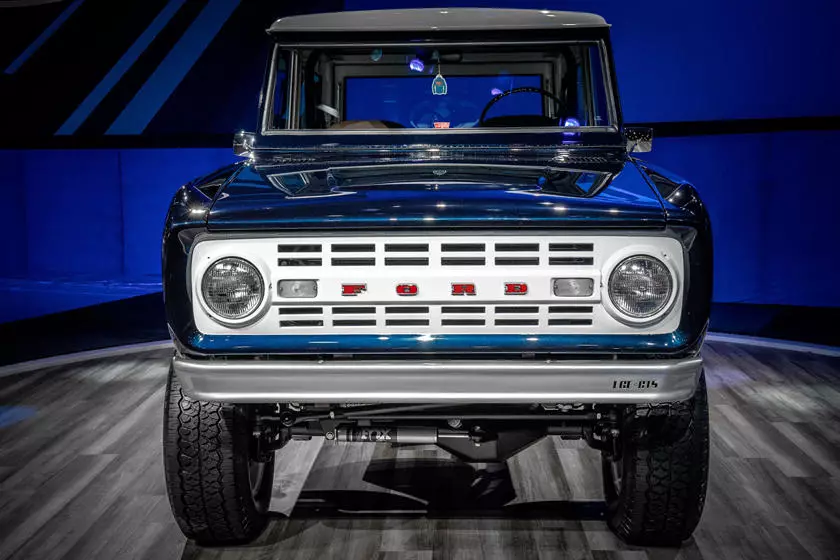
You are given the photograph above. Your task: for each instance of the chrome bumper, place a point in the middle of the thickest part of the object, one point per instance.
(439, 381)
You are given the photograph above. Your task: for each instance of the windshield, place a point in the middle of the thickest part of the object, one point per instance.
(456, 87)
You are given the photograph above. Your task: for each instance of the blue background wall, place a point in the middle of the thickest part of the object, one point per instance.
(715, 59)
(93, 217)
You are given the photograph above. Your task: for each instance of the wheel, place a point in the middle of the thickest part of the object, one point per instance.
(218, 491)
(655, 479)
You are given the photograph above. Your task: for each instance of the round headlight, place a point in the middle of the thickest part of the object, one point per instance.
(232, 288)
(640, 286)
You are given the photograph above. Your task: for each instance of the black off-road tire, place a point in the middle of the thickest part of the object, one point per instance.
(219, 494)
(656, 490)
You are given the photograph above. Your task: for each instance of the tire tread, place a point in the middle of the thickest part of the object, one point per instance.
(206, 467)
(665, 472)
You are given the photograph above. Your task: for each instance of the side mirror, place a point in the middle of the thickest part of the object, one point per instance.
(639, 139)
(243, 143)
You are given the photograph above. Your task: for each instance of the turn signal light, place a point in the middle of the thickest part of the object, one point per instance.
(573, 287)
(297, 288)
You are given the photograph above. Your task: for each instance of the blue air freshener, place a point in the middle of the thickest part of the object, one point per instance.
(439, 86)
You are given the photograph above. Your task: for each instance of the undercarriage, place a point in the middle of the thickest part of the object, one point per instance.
(473, 433)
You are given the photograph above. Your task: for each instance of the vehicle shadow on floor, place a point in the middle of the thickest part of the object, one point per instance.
(437, 489)
(411, 489)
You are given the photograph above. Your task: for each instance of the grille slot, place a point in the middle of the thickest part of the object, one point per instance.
(353, 248)
(407, 322)
(354, 322)
(517, 261)
(302, 323)
(518, 309)
(353, 310)
(570, 309)
(300, 310)
(462, 261)
(298, 262)
(462, 248)
(462, 322)
(349, 261)
(406, 248)
(406, 309)
(556, 247)
(517, 322)
(406, 261)
(298, 248)
(517, 247)
(569, 261)
(461, 309)
(569, 322)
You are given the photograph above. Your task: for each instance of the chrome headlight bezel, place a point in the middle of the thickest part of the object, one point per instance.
(253, 314)
(622, 314)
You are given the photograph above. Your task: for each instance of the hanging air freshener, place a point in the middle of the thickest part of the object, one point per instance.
(439, 86)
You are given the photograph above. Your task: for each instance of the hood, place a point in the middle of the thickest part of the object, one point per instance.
(436, 195)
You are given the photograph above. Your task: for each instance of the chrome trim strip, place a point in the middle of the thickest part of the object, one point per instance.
(430, 43)
(293, 120)
(607, 71)
(488, 232)
(268, 93)
(438, 381)
(467, 300)
(438, 131)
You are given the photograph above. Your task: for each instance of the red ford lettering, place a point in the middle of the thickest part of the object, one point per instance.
(407, 289)
(516, 288)
(463, 289)
(353, 289)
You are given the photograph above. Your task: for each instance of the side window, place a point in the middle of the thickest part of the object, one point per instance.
(596, 113)
(591, 93)
(279, 107)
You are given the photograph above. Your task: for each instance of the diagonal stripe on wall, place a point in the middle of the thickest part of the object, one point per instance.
(43, 37)
(122, 66)
(160, 85)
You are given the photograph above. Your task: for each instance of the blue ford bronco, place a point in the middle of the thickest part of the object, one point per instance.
(439, 235)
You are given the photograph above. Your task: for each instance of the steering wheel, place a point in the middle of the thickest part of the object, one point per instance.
(527, 89)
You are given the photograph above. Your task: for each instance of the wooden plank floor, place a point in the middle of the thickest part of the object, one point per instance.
(81, 477)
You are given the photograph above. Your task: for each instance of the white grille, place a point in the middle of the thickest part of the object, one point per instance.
(443, 253)
(434, 263)
(351, 317)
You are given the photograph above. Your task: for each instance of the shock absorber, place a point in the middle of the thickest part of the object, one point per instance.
(384, 434)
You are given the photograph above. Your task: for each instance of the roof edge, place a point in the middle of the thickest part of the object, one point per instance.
(437, 19)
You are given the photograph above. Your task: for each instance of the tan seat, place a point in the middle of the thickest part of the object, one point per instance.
(358, 125)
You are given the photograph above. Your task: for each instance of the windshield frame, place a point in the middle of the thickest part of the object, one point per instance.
(293, 91)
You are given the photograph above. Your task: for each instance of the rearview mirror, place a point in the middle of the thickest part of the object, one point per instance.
(243, 143)
(639, 139)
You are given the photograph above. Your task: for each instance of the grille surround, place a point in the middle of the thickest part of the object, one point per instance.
(555, 315)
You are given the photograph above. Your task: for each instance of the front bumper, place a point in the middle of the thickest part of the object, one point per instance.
(439, 381)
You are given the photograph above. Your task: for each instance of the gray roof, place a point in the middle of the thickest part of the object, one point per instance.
(437, 19)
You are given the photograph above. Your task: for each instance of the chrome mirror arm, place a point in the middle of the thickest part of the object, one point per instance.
(243, 143)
